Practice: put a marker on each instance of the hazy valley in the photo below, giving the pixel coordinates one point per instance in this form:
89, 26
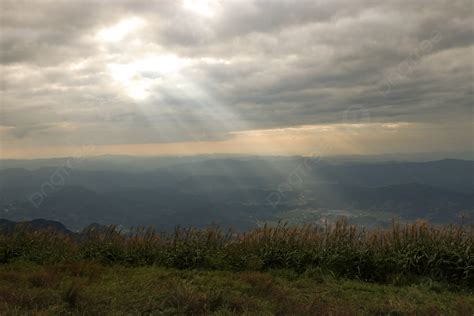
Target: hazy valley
239, 192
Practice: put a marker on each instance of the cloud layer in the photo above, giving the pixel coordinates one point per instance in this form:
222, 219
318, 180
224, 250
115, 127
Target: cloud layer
142, 72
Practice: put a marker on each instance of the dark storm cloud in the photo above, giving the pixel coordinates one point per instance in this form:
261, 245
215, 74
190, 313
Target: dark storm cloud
245, 65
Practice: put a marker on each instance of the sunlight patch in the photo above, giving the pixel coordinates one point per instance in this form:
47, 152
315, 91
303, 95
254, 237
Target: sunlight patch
201, 7
117, 32
138, 77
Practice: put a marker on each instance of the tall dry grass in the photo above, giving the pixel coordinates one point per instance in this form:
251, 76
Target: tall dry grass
444, 253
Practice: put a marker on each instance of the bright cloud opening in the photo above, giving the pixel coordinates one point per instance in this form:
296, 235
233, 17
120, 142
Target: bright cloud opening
139, 76
117, 32
201, 7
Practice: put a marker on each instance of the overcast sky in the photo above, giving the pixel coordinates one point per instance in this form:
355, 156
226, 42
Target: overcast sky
250, 77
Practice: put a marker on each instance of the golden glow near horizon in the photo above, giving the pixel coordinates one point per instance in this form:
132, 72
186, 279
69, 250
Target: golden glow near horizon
332, 139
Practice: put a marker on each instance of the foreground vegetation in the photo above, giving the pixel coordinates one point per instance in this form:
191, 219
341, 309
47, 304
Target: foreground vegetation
335, 270
88, 288
393, 256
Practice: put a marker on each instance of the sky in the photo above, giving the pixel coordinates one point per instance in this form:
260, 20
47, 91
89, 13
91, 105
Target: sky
240, 77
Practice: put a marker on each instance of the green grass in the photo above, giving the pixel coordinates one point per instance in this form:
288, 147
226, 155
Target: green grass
87, 288
416, 269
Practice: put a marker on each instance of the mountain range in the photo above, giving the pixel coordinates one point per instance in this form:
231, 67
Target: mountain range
239, 191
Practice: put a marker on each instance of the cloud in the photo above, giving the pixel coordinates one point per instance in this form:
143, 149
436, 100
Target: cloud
163, 72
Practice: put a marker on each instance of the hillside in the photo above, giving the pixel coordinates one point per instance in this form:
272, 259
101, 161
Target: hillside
94, 289
284, 270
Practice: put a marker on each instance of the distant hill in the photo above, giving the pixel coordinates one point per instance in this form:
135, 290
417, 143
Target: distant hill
7, 226
450, 174
164, 209
238, 192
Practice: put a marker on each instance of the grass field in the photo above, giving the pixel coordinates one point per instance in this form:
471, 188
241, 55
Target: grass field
86, 288
415, 269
